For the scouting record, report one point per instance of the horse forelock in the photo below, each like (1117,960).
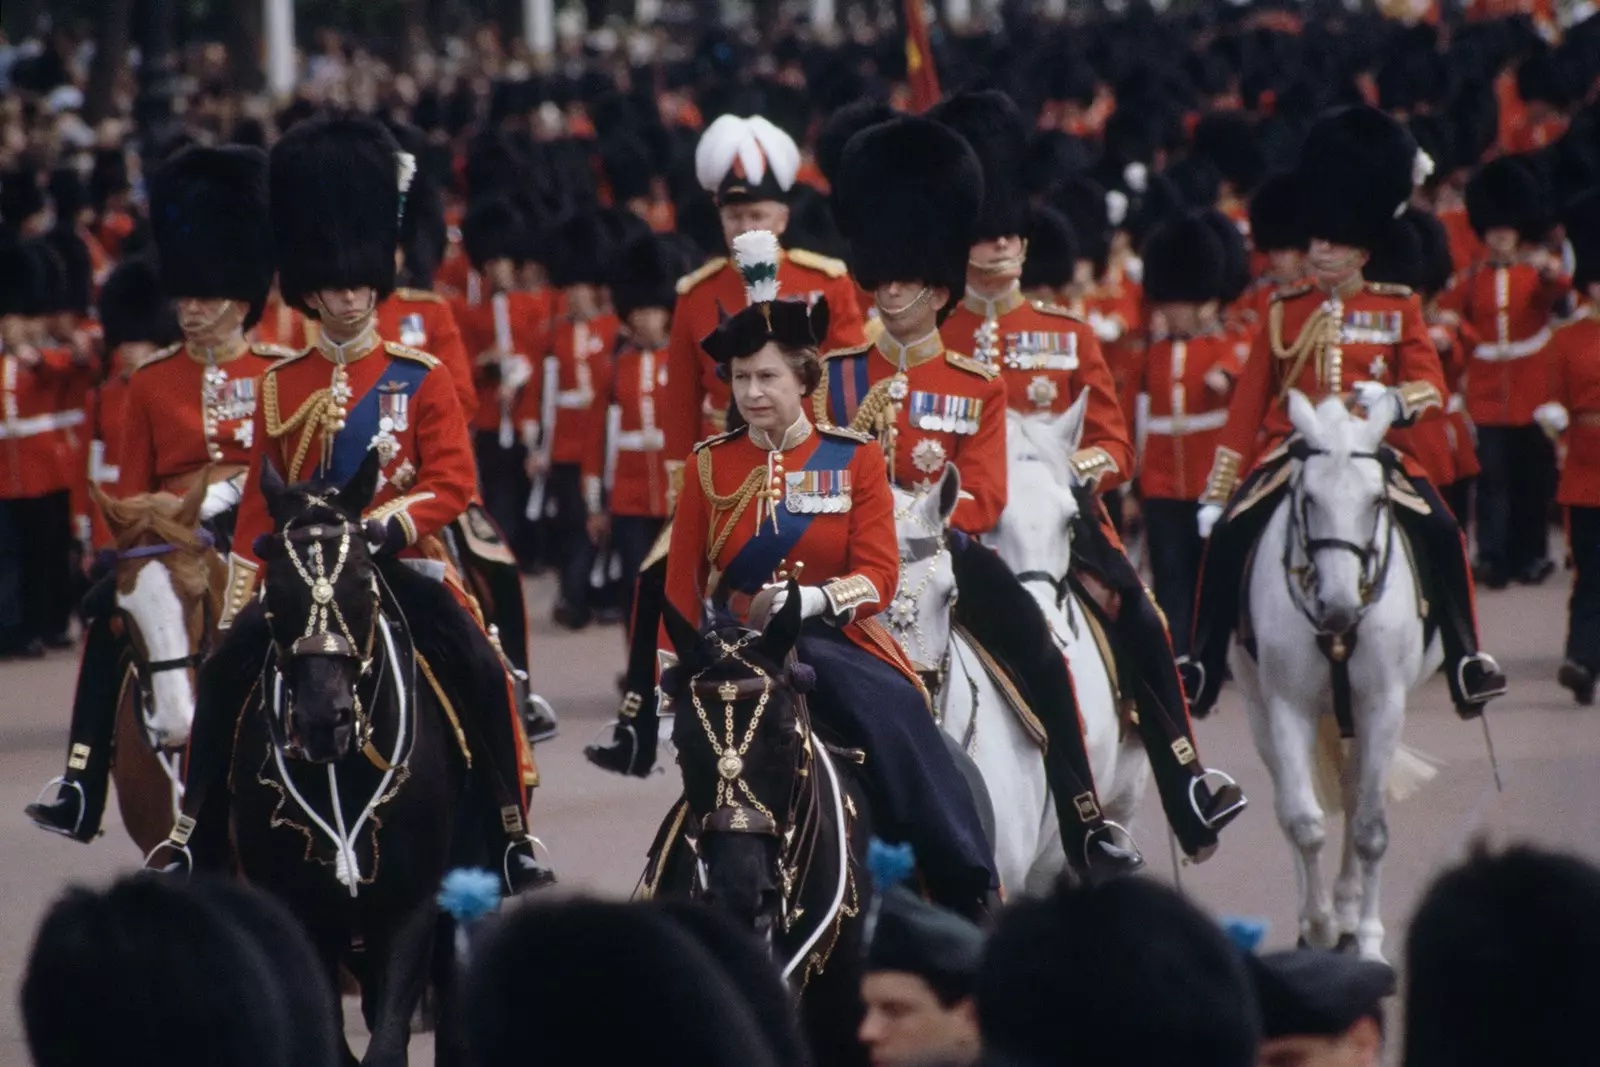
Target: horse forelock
(152,519)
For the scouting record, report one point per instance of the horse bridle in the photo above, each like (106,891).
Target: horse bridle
(1373,557)
(147,669)
(903,617)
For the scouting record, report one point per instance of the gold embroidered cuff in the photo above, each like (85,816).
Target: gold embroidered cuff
(591,494)
(1417,397)
(241,585)
(399,508)
(1224,477)
(846,594)
(1091,464)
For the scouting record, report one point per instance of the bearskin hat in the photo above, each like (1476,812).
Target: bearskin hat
(68,194)
(746,159)
(134,307)
(423,233)
(1508,192)
(645,274)
(1438,265)
(76,291)
(1052,250)
(1357,171)
(1228,140)
(20,197)
(1184,262)
(909,193)
(494,166)
(208,213)
(1275,216)
(1086,205)
(994,127)
(16,277)
(1582,223)
(109,177)
(495,228)
(336,207)
(579,248)
(628,168)
(1399,258)
(811,224)
(842,125)
(1235,277)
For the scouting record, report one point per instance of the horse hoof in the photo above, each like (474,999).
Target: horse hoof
(1346,943)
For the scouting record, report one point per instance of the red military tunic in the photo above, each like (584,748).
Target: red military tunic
(1575,385)
(423,320)
(927,407)
(396,399)
(658,420)
(1186,416)
(174,422)
(529,316)
(1443,445)
(716,289)
(582,350)
(1046,357)
(1509,308)
(1322,344)
(35,422)
(730,528)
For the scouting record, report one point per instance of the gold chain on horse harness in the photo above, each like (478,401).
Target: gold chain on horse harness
(730,758)
(903,616)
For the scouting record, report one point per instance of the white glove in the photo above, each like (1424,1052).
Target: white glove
(1456,404)
(222,496)
(1105,329)
(1552,418)
(813,602)
(1207,518)
(1371,395)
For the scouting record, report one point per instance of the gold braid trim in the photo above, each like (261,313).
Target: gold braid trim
(449,708)
(318,412)
(736,503)
(1320,329)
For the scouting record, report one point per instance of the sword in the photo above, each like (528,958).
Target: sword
(1488,741)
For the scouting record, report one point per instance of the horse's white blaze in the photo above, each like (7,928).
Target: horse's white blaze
(158,613)
(1287,688)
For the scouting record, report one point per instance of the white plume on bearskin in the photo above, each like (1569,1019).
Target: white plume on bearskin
(754,143)
(406,164)
(756,254)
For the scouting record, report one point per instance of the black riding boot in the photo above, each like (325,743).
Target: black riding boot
(1006,622)
(1198,803)
(80,801)
(1474,677)
(633,739)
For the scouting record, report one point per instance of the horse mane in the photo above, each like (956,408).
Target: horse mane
(1051,454)
(150,518)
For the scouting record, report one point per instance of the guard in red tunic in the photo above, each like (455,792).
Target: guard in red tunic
(188,409)
(781,499)
(1509,299)
(1047,359)
(750,165)
(1342,337)
(1572,413)
(335,212)
(929,407)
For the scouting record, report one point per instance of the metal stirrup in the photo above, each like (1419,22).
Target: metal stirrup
(1131,847)
(1194,800)
(1185,661)
(83,807)
(1461,675)
(534,847)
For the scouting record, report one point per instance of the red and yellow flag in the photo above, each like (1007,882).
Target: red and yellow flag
(921,76)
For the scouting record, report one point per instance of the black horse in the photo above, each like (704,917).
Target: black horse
(774,824)
(348,771)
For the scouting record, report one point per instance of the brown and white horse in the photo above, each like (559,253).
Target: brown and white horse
(170,582)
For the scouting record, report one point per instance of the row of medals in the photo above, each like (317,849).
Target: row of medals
(900,388)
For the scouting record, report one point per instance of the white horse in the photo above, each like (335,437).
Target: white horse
(1033,537)
(1331,563)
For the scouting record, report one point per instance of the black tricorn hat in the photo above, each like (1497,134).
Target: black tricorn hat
(1357,170)
(494,228)
(1582,223)
(1275,216)
(1184,262)
(908,198)
(335,207)
(791,323)
(1508,192)
(646,274)
(133,306)
(994,127)
(1052,249)
(208,213)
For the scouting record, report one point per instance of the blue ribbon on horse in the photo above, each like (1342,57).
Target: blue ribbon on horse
(752,567)
(361,424)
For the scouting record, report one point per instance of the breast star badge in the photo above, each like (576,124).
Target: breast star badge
(1375,371)
(927,455)
(1043,391)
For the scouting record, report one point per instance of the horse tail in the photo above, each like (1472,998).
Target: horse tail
(1409,770)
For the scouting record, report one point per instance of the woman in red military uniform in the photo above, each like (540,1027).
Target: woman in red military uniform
(187,410)
(335,213)
(783,499)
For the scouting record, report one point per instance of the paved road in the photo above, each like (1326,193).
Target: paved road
(598,826)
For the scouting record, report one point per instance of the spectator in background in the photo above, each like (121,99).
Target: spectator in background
(1320,1009)
(1503,963)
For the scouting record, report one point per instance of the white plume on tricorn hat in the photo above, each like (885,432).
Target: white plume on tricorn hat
(765,318)
(746,159)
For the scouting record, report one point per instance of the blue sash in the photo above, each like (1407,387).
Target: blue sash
(752,567)
(847,384)
(350,444)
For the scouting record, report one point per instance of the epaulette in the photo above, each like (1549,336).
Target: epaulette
(852,350)
(707,269)
(1388,289)
(718,438)
(833,268)
(843,432)
(1057,310)
(1290,293)
(165,353)
(273,351)
(972,366)
(417,355)
(421,296)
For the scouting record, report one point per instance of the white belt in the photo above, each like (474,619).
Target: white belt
(1177,426)
(1500,353)
(574,399)
(641,441)
(34,425)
